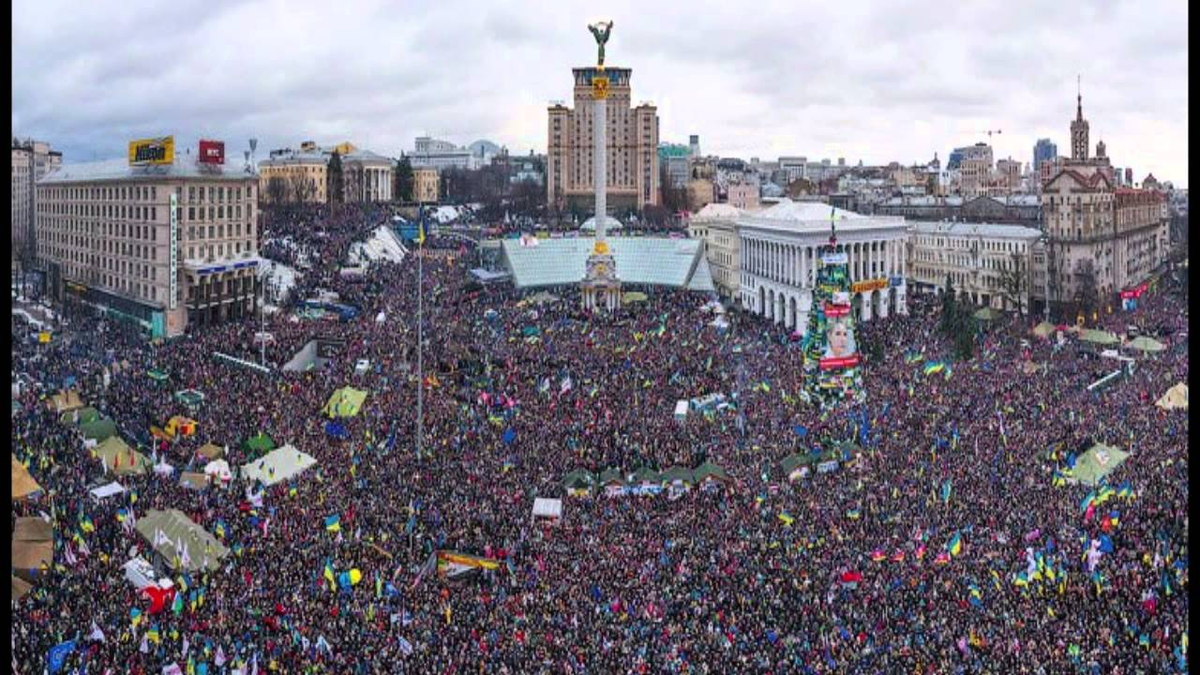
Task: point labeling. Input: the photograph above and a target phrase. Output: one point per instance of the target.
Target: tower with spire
(1079, 128)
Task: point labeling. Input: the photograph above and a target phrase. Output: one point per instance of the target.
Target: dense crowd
(750, 577)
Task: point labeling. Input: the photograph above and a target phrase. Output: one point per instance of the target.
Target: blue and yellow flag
(954, 546)
(333, 523)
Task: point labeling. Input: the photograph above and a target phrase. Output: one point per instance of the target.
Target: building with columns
(780, 250)
(366, 176)
(716, 225)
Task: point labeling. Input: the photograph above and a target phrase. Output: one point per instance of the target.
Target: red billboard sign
(836, 310)
(838, 363)
(212, 152)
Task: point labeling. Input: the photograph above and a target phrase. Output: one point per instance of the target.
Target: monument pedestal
(601, 287)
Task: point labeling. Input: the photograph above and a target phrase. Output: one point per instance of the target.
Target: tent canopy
(1176, 397)
(23, 483)
(345, 402)
(631, 297)
(211, 451)
(547, 508)
(120, 458)
(19, 587)
(113, 488)
(66, 401)
(578, 480)
(99, 430)
(988, 314)
(259, 444)
(80, 415)
(611, 476)
(644, 475)
(1100, 337)
(708, 470)
(32, 546)
(194, 480)
(1044, 329)
(1097, 462)
(678, 473)
(1147, 344)
(204, 550)
(278, 465)
(32, 529)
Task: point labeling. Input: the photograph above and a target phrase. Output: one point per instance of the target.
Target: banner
(869, 285)
(212, 152)
(836, 310)
(152, 151)
(838, 363)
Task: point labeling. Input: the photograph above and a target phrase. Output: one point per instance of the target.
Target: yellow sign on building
(869, 285)
(600, 86)
(152, 151)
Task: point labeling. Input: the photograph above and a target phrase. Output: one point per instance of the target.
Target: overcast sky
(877, 82)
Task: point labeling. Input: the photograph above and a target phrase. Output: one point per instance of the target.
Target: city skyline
(876, 84)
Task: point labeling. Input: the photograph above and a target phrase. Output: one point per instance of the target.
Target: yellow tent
(23, 483)
(345, 402)
(1176, 397)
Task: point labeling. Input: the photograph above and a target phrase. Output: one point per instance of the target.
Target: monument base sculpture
(601, 287)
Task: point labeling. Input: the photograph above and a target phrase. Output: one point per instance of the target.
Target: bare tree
(277, 190)
(1014, 283)
(301, 188)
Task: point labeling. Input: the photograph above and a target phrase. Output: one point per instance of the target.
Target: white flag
(254, 665)
(220, 660)
(405, 646)
(69, 556)
(145, 648)
(97, 634)
(187, 646)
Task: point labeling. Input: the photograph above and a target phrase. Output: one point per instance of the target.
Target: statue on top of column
(601, 29)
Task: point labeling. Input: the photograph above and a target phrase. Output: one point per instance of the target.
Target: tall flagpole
(420, 327)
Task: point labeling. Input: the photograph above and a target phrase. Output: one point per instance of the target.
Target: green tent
(157, 375)
(610, 477)
(1044, 329)
(579, 480)
(1097, 462)
(709, 471)
(988, 314)
(634, 296)
(166, 530)
(259, 444)
(644, 475)
(99, 430)
(679, 473)
(189, 397)
(795, 461)
(345, 402)
(120, 458)
(1099, 337)
(81, 416)
(1147, 344)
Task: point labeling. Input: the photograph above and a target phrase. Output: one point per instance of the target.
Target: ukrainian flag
(333, 523)
(1125, 491)
(85, 524)
(934, 367)
(153, 635)
(330, 577)
(1105, 494)
(135, 615)
(220, 529)
(1021, 580)
(853, 514)
(1058, 479)
(421, 230)
(1087, 501)
(955, 544)
(787, 519)
(976, 595)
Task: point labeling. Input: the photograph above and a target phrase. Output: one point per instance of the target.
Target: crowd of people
(944, 542)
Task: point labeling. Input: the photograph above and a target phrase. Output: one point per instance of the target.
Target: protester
(516, 395)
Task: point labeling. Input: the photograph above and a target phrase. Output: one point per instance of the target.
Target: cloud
(871, 81)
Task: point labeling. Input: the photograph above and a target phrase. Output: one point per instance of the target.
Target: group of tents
(1102, 338)
(613, 482)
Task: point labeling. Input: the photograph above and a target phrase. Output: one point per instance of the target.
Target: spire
(1078, 97)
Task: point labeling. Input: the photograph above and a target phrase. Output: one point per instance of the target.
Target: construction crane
(990, 132)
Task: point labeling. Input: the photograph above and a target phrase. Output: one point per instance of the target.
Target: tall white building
(31, 160)
(780, 250)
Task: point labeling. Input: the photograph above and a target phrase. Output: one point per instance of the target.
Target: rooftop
(185, 167)
(656, 261)
(990, 230)
(795, 216)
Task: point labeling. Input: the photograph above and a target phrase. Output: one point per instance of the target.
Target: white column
(601, 167)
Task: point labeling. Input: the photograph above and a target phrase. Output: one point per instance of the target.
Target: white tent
(549, 509)
(104, 491)
(279, 465)
(218, 468)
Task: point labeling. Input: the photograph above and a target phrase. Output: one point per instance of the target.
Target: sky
(876, 82)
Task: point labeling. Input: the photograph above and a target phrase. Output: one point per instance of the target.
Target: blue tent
(337, 430)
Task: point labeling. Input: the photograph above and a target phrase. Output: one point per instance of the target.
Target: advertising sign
(836, 310)
(173, 272)
(835, 258)
(212, 152)
(897, 282)
(152, 151)
(869, 285)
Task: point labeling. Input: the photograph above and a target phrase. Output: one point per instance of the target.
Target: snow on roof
(185, 166)
(717, 211)
(610, 223)
(991, 230)
(383, 245)
(793, 215)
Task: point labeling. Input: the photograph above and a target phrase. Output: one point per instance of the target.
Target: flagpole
(420, 329)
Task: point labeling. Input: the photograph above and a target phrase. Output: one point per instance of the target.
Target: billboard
(153, 151)
(869, 285)
(212, 152)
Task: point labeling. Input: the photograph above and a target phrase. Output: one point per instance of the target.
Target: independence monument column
(601, 288)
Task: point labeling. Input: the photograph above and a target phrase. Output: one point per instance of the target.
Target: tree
(301, 189)
(277, 190)
(1014, 283)
(957, 323)
(337, 180)
(404, 182)
(1087, 302)
(527, 198)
